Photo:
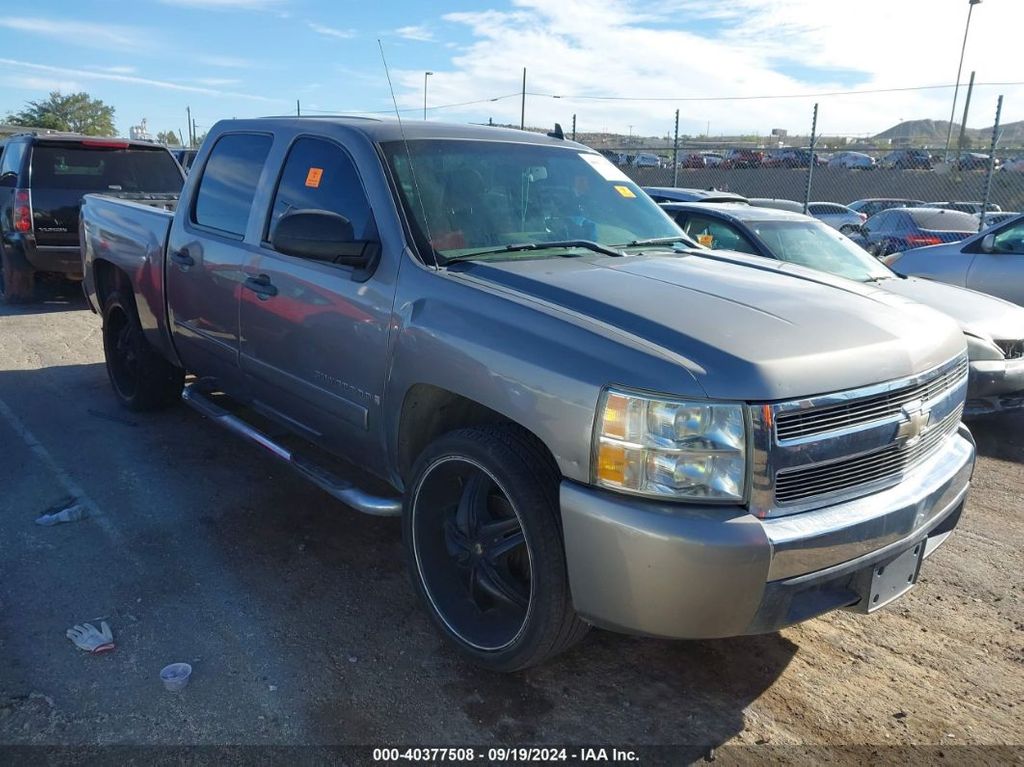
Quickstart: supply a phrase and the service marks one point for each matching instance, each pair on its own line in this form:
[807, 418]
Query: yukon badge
[914, 425]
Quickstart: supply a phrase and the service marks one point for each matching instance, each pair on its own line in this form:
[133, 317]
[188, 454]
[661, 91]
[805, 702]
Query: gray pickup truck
[581, 419]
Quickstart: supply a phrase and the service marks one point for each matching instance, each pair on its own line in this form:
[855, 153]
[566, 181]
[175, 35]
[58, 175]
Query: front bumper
[694, 572]
[995, 385]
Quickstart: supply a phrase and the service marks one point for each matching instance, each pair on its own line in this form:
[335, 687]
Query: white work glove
[87, 637]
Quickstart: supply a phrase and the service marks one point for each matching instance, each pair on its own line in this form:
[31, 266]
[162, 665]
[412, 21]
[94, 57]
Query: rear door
[315, 349]
[63, 171]
[206, 252]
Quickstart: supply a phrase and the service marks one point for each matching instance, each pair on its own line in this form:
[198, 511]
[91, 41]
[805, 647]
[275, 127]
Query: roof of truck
[382, 129]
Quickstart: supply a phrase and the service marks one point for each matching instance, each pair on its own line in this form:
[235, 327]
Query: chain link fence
[908, 167]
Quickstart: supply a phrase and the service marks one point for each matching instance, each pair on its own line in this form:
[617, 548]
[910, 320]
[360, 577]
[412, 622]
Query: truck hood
[978, 314]
[744, 327]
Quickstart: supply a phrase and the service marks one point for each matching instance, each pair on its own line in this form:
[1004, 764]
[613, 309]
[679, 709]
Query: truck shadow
[999, 436]
[52, 296]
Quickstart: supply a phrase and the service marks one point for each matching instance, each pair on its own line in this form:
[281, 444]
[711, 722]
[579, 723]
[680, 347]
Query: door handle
[182, 258]
[261, 286]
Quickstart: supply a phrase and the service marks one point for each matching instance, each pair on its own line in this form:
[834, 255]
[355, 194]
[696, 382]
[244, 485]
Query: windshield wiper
[514, 247]
[661, 241]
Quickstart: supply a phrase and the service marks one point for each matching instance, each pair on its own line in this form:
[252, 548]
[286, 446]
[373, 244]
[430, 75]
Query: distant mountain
[933, 132]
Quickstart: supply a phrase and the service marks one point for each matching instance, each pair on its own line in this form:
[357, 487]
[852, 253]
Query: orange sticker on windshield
[707, 240]
[625, 191]
[314, 176]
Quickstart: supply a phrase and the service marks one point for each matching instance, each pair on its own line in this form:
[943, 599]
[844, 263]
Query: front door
[314, 344]
[206, 253]
[1001, 272]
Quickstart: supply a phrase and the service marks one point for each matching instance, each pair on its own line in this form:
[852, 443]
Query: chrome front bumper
[678, 571]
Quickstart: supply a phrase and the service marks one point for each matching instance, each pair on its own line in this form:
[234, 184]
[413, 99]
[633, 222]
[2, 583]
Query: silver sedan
[837, 216]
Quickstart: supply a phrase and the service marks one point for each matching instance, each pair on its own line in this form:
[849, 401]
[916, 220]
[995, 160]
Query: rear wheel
[17, 282]
[485, 547]
[142, 379]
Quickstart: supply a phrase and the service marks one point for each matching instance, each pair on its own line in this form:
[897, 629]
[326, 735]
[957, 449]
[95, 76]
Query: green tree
[76, 112]
[168, 138]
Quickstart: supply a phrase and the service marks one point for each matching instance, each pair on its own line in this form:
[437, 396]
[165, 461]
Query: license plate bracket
[893, 578]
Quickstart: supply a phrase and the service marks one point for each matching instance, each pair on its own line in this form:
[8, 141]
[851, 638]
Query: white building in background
[140, 132]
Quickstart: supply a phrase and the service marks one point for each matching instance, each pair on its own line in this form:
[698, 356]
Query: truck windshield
[818, 246]
[94, 169]
[468, 198]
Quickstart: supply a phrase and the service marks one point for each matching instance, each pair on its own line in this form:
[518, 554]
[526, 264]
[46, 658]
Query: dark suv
[42, 180]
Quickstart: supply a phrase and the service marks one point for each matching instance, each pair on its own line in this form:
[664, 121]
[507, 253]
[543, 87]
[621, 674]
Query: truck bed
[132, 236]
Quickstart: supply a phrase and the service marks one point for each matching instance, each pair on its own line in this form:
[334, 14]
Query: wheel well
[108, 279]
[430, 411]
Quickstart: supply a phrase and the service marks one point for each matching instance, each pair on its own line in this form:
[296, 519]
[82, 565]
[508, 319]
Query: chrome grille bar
[890, 462]
[802, 423]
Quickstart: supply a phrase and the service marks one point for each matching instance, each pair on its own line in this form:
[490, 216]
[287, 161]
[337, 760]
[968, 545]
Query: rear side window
[717, 235]
[70, 166]
[10, 163]
[319, 175]
[229, 182]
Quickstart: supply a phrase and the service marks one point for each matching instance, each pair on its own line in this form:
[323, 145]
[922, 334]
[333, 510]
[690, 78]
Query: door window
[319, 175]
[1010, 240]
[229, 182]
[718, 235]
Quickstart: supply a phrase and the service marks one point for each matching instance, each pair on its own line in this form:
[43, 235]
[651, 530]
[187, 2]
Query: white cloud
[46, 84]
[77, 32]
[320, 29]
[128, 79]
[693, 49]
[117, 70]
[217, 81]
[419, 33]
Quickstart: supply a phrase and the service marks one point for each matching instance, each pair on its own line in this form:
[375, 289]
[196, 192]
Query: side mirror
[320, 235]
[988, 243]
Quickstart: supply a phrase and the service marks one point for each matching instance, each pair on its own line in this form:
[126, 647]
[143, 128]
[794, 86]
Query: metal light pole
[425, 76]
[956, 88]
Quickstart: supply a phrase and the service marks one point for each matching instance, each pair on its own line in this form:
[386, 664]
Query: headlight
[670, 448]
[980, 349]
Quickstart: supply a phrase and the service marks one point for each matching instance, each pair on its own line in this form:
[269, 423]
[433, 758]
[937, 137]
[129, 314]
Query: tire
[141, 378]
[17, 282]
[485, 550]
[846, 228]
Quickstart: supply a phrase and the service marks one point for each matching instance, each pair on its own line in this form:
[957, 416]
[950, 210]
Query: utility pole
[522, 108]
[956, 88]
[991, 164]
[963, 123]
[425, 76]
[191, 138]
[574, 127]
[195, 133]
[810, 161]
[298, 109]
[675, 154]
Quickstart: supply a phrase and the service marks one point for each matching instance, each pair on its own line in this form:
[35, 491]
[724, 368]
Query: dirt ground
[302, 628]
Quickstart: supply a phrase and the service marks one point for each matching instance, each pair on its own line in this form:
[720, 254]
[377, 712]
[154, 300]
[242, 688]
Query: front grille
[814, 421]
[888, 463]
[1012, 350]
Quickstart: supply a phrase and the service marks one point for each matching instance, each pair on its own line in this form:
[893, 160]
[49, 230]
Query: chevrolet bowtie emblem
[914, 425]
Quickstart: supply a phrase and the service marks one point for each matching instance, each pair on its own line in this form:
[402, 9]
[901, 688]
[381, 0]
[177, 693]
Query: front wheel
[485, 549]
[142, 379]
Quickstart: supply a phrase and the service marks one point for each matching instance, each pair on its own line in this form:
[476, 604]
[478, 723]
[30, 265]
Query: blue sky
[225, 58]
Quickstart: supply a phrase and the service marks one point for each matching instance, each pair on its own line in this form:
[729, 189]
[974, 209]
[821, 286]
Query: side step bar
[337, 487]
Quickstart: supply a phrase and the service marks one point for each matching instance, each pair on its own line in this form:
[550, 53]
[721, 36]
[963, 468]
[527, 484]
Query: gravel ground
[302, 628]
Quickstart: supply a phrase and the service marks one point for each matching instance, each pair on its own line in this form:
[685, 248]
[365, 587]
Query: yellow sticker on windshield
[707, 240]
[314, 176]
[625, 191]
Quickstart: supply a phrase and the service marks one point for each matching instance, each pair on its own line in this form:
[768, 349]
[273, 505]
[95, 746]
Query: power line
[761, 96]
[413, 109]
